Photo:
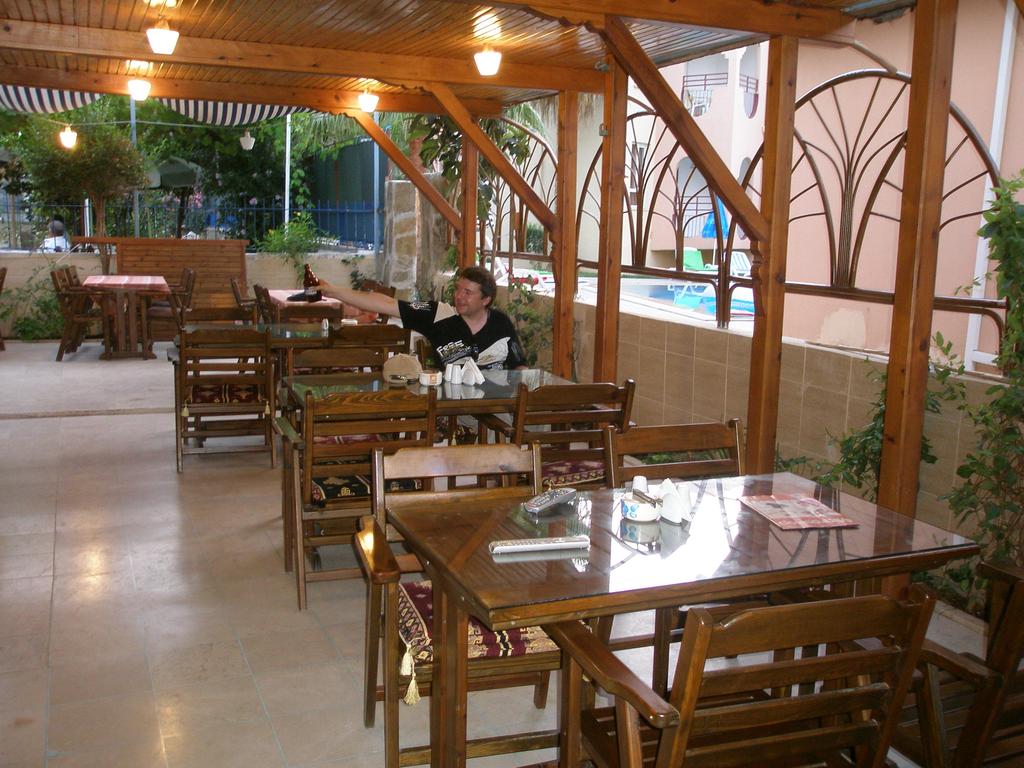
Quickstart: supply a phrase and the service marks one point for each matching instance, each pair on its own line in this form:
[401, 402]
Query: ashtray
[303, 296]
[396, 380]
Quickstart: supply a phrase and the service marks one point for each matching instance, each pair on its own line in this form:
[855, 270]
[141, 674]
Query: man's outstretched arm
[366, 301]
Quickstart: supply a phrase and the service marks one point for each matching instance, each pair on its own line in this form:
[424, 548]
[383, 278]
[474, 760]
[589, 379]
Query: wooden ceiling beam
[170, 88]
[776, 18]
[399, 158]
[631, 57]
[373, 65]
[468, 125]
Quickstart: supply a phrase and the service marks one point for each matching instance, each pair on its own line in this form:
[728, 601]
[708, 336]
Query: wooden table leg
[570, 703]
[449, 686]
[147, 342]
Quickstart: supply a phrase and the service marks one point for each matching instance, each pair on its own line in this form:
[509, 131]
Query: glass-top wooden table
[496, 395]
[728, 550]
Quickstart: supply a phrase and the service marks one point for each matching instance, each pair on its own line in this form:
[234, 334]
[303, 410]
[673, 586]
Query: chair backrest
[341, 431]
[389, 339]
[265, 307]
[72, 298]
[569, 420]
[514, 469]
[3, 277]
[709, 449]
[233, 357]
[335, 360]
[239, 293]
[835, 677]
[375, 287]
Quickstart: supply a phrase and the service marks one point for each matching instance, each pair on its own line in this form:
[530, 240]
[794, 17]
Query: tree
[102, 165]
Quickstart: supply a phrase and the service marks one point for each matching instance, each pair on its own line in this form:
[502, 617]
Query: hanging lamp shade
[68, 137]
[162, 39]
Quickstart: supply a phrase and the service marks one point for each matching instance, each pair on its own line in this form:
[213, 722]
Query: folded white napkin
[675, 502]
[471, 373]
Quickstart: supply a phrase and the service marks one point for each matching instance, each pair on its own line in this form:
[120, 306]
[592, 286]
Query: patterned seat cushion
[342, 486]
[224, 393]
[416, 624]
[572, 472]
[344, 439]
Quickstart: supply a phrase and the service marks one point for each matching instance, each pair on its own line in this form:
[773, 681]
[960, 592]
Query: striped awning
[18, 98]
[227, 113]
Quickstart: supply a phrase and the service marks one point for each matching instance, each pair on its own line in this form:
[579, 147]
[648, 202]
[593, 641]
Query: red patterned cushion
[344, 439]
[328, 489]
[572, 472]
[224, 393]
[416, 624]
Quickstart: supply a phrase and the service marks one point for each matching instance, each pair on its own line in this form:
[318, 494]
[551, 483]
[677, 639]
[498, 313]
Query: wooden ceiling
[321, 54]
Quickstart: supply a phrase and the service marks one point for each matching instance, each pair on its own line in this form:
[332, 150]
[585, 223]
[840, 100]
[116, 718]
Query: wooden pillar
[609, 257]
[564, 261]
[470, 183]
[917, 253]
[769, 263]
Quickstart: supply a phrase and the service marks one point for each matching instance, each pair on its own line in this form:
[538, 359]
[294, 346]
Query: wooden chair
[266, 310]
[172, 311]
[397, 612]
[223, 387]
[707, 449]
[241, 297]
[968, 711]
[568, 421]
[327, 483]
[3, 277]
[77, 309]
[816, 683]
[389, 339]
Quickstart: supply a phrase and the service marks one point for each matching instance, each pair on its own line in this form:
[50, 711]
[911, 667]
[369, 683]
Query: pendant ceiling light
[488, 61]
[68, 137]
[162, 38]
[247, 140]
[368, 101]
[139, 89]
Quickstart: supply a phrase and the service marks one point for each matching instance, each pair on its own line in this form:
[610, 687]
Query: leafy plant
[34, 307]
[294, 241]
[991, 498]
[860, 451]
[532, 323]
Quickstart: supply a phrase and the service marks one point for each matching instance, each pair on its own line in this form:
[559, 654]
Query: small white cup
[640, 484]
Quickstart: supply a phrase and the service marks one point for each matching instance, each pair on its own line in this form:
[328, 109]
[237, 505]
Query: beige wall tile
[931, 510]
[821, 417]
[709, 390]
[711, 345]
[827, 370]
[680, 338]
[863, 378]
[792, 368]
[790, 409]
[858, 414]
[649, 411]
[629, 329]
[739, 351]
[938, 478]
[679, 371]
[737, 385]
[650, 373]
[629, 362]
[653, 333]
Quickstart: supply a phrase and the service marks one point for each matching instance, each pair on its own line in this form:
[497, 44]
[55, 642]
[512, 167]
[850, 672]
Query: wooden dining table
[496, 395]
[325, 307]
[125, 301]
[727, 551]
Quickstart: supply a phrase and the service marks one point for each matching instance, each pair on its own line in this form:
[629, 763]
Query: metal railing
[23, 225]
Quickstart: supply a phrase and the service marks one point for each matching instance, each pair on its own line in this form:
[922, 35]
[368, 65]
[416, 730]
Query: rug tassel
[408, 667]
[184, 412]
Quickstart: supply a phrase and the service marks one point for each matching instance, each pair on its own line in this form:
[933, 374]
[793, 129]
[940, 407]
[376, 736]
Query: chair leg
[391, 663]
[371, 654]
[65, 338]
[179, 440]
[299, 552]
[287, 520]
[540, 691]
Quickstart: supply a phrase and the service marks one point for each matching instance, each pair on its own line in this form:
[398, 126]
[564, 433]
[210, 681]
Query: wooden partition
[215, 263]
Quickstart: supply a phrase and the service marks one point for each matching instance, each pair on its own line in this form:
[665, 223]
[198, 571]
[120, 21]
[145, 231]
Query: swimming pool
[698, 297]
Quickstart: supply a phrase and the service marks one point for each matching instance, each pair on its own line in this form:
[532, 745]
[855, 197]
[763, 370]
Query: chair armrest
[375, 553]
[964, 667]
[1001, 571]
[284, 428]
[608, 671]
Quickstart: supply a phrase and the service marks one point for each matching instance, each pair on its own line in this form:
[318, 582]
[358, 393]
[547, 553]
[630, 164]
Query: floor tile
[208, 705]
[97, 723]
[22, 652]
[321, 735]
[281, 650]
[136, 755]
[238, 745]
[99, 678]
[206, 662]
[324, 686]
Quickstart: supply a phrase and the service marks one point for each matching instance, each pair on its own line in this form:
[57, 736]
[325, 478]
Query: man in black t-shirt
[472, 328]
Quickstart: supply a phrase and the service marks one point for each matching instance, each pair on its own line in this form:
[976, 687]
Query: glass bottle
[309, 284]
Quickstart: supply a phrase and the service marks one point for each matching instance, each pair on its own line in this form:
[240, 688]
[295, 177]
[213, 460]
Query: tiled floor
[145, 617]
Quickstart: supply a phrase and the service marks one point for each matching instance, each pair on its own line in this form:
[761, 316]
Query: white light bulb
[162, 38]
[68, 137]
[487, 61]
[139, 89]
[368, 101]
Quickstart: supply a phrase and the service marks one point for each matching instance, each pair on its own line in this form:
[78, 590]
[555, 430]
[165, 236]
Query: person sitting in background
[473, 328]
[55, 242]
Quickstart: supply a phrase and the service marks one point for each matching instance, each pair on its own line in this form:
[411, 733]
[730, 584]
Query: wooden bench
[214, 261]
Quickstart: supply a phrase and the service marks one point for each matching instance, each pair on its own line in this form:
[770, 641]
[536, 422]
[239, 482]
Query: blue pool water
[693, 296]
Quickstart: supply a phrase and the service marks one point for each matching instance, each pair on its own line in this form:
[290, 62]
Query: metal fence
[23, 226]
